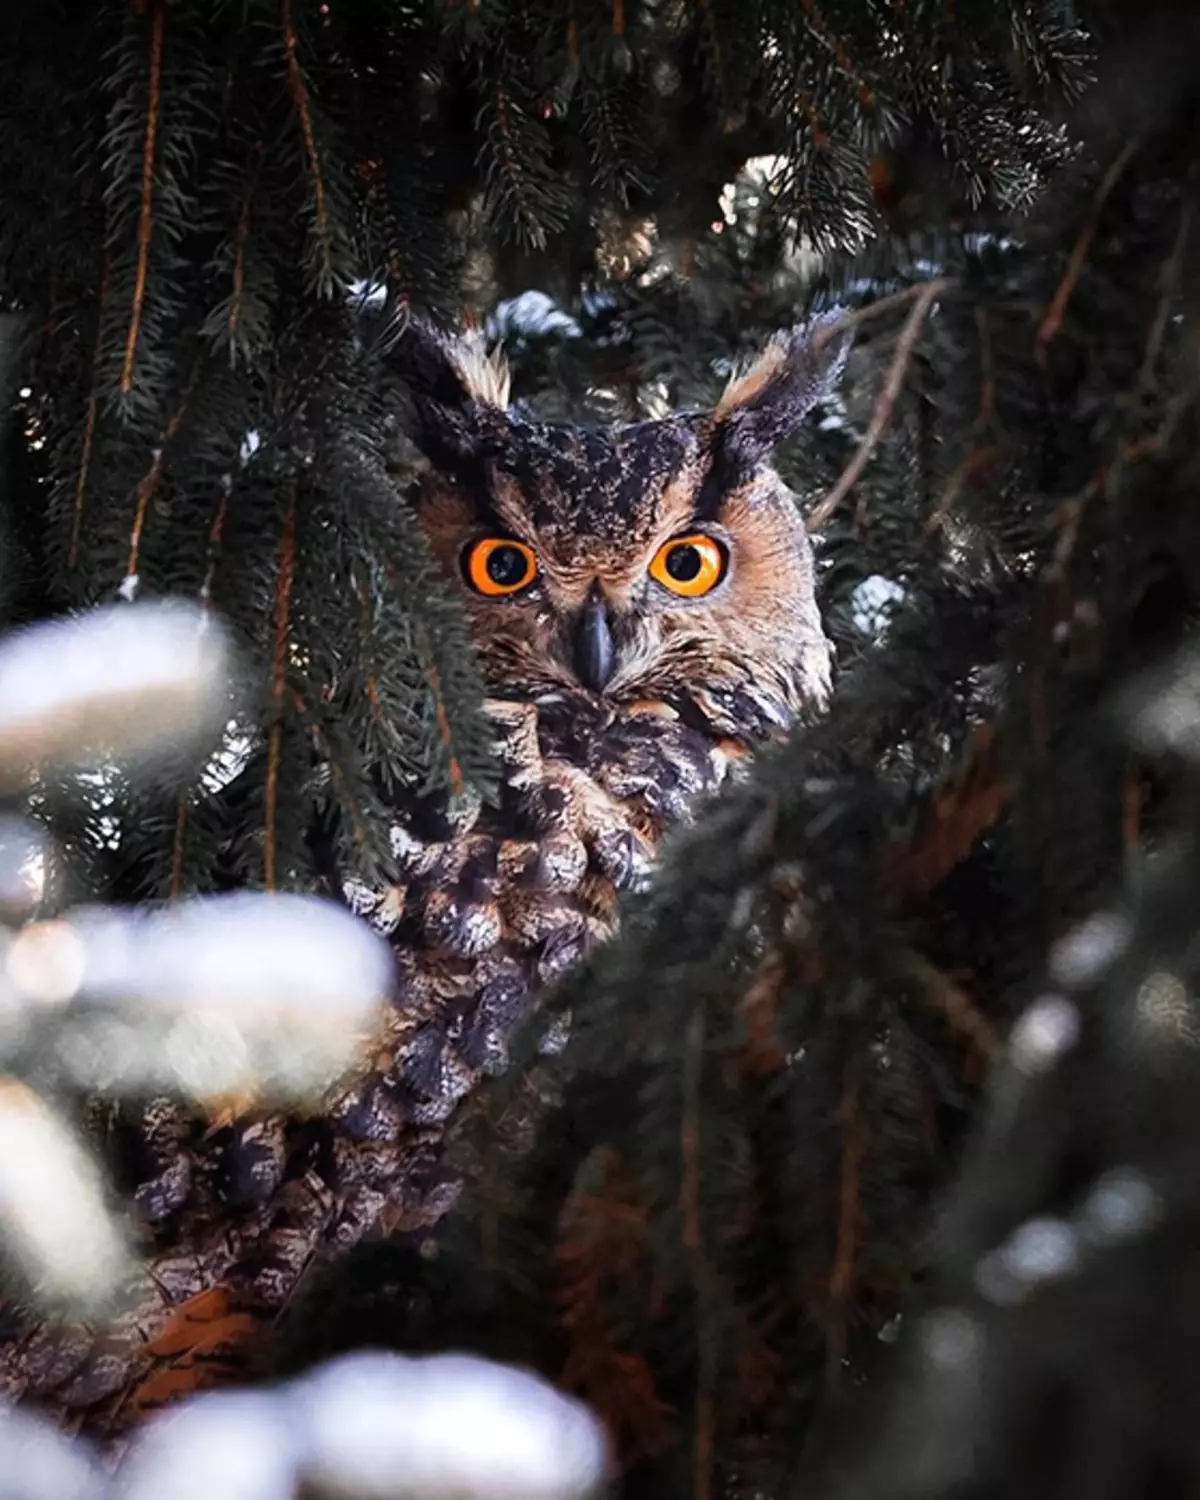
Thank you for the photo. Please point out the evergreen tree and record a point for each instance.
(713, 1237)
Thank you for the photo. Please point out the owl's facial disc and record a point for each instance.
(656, 562)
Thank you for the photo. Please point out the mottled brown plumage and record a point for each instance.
(621, 694)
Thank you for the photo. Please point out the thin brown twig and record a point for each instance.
(241, 236)
(838, 47)
(216, 532)
(93, 406)
(1169, 282)
(150, 479)
(977, 458)
(1052, 322)
(85, 463)
(835, 328)
(336, 773)
(283, 593)
(299, 92)
(146, 211)
(886, 400)
(181, 817)
(441, 716)
(939, 991)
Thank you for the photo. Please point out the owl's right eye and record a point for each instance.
(499, 565)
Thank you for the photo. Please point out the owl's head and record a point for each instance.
(661, 560)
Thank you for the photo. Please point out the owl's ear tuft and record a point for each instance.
(454, 393)
(764, 401)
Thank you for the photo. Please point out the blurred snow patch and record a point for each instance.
(375, 1426)
(227, 1445)
(450, 1427)
(873, 602)
(530, 313)
(38, 1463)
(121, 681)
(56, 1224)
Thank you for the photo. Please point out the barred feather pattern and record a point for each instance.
(487, 910)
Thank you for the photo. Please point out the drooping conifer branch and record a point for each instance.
(145, 228)
(1052, 321)
(888, 395)
(284, 577)
(838, 47)
(149, 481)
(299, 92)
(241, 239)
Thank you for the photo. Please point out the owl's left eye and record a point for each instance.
(499, 565)
(689, 565)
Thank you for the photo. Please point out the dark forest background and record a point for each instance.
(971, 1270)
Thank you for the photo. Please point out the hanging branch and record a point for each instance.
(1052, 322)
(240, 238)
(835, 44)
(445, 733)
(284, 578)
(299, 93)
(150, 480)
(89, 426)
(145, 215)
(880, 417)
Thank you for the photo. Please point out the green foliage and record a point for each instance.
(773, 1071)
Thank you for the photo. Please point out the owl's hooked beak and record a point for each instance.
(595, 655)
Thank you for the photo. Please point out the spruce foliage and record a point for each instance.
(773, 1071)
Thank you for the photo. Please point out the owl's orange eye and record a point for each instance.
(499, 565)
(689, 565)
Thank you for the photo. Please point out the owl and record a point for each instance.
(642, 600)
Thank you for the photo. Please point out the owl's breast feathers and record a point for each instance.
(496, 903)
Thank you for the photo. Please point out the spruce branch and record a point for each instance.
(145, 228)
(326, 281)
(89, 422)
(150, 480)
(284, 577)
(923, 300)
(1052, 321)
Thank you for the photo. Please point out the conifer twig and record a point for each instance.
(940, 991)
(442, 720)
(181, 814)
(89, 427)
(977, 458)
(150, 479)
(835, 44)
(337, 775)
(1052, 322)
(146, 211)
(283, 592)
(960, 809)
(905, 344)
(216, 532)
(299, 92)
(241, 236)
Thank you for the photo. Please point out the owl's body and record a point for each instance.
(642, 598)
